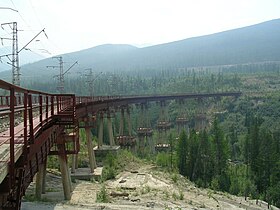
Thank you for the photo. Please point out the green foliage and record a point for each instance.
(114, 163)
(108, 172)
(109, 167)
(182, 153)
(261, 151)
(163, 159)
(102, 195)
(215, 184)
(181, 195)
(219, 149)
(273, 194)
(175, 177)
(52, 162)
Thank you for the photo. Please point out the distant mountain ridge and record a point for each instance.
(256, 43)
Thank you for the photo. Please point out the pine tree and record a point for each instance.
(220, 149)
(203, 169)
(182, 153)
(220, 157)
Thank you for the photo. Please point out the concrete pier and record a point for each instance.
(110, 130)
(65, 175)
(91, 155)
(100, 130)
(39, 182)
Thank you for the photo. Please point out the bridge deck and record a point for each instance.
(19, 143)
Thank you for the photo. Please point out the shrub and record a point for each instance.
(162, 159)
(102, 195)
(108, 173)
(174, 177)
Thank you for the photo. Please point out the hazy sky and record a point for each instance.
(73, 25)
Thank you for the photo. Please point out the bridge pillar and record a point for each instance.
(200, 119)
(92, 161)
(39, 182)
(44, 177)
(110, 130)
(125, 139)
(144, 131)
(65, 175)
(128, 121)
(163, 127)
(100, 131)
(75, 157)
(75, 161)
(121, 122)
(182, 121)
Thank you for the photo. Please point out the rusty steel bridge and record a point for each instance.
(34, 124)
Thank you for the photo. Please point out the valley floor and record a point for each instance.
(140, 187)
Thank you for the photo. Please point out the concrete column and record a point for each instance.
(100, 131)
(73, 167)
(65, 175)
(110, 130)
(141, 145)
(151, 143)
(76, 156)
(91, 155)
(178, 129)
(39, 182)
(76, 161)
(44, 177)
(121, 122)
(128, 122)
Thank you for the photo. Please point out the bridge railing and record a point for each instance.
(25, 112)
(87, 99)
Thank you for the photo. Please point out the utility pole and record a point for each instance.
(90, 81)
(15, 58)
(61, 74)
(60, 87)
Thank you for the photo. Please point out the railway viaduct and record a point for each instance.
(36, 124)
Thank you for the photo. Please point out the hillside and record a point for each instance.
(257, 43)
(141, 187)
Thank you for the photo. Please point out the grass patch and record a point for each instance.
(102, 195)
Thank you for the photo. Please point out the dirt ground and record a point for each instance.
(144, 188)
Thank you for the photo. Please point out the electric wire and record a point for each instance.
(28, 26)
(43, 49)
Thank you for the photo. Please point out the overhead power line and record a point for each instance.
(61, 74)
(14, 56)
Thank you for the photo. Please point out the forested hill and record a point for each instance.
(255, 43)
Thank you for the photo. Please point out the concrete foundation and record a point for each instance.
(86, 174)
(104, 150)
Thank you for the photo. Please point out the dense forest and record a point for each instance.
(239, 150)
